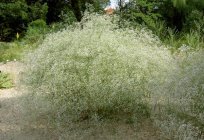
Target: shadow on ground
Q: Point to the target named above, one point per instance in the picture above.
(15, 126)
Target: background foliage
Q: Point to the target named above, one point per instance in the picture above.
(15, 16)
(179, 15)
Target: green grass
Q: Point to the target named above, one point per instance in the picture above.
(5, 81)
(10, 51)
(176, 40)
(13, 51)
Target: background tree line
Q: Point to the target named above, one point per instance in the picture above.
(17, 15)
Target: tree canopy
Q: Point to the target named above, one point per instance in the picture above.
(15, 15)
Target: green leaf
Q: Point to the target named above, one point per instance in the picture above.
(5, 81)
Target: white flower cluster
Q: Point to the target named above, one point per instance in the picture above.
(97, 70)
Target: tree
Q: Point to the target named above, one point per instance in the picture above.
(79, 6)
(15, 16)
(182, 9)
(177, 14)
(77, 9)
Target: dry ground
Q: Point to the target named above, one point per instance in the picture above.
(14, 127)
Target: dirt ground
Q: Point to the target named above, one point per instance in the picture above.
(12, 127)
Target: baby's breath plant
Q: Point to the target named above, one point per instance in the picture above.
(181, 108)
(96, 69)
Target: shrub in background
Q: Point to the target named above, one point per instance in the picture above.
(37, 10)
(36, 30)
(98, 71)
(67, 18)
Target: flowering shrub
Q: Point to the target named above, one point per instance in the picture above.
(181, 108)
(97, 70)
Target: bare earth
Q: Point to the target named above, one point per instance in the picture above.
(11, 123)
(9, 111)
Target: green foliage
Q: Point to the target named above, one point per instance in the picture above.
(174, 26)
(179, 3)
(195, 22)
(182, 24)
(141, 12)
(5, 81)
(67, 18)
(177, 16)
(36, 31)
(15, 16)
(57, 9)
(33, 37)
(96, 72)
(193, 39)
(11, 51)
(37, 11)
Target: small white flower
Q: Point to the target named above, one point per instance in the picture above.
(184, 48)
